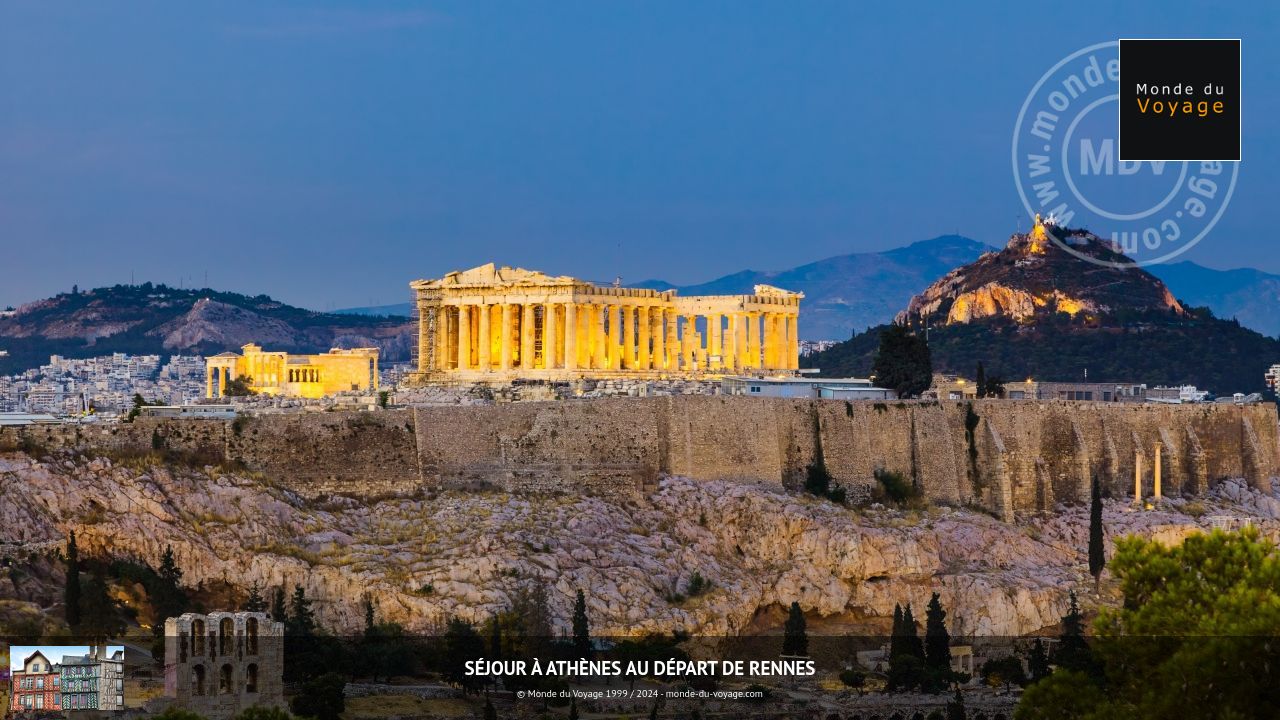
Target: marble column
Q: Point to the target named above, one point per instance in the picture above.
(614, 359)
(715, 344)
(628, 337)
(792, 341)
(485, 339)
(528, 323)
(424, 319)
(505, 339)
(730, 345)
(444, 338)
(658, 329)
(769, 340)
(549, 340)
(673, 340)
(642, 343)
(570, 336)
(599, 341)
(208, 381)
(753, 340)
(464, 337)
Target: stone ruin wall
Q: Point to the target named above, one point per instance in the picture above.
(1026, 455)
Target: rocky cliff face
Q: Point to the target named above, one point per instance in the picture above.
(465, 554)
(1035, 276)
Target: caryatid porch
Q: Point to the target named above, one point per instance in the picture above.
(501, 324)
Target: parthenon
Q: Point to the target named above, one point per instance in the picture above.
(497, 324)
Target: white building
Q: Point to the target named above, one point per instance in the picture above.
(825, 388)
(1273, 378)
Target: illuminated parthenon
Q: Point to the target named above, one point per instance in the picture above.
(501, 324)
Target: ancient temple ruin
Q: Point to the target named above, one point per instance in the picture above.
(499, 324)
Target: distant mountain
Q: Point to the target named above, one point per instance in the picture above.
(155, 319)
(1034, 310)
(396, 310)
(1248, 295)
(849, 292)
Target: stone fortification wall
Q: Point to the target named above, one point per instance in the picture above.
(1008, 456)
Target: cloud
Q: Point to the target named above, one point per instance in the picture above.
(330, 22)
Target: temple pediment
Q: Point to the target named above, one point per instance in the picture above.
(771, 291)
(490, 275)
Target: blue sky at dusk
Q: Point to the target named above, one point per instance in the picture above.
(327, 154)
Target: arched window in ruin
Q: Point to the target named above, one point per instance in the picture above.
(226, 636)
(251, 636)
(251, 679)
(226, 681)
(197, 637)
(197, 680)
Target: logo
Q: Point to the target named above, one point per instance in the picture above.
(1067, 167)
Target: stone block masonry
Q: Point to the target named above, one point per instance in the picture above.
(1010, 457)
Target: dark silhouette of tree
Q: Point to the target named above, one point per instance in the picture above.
(71, 595)
(795, 640)
(278, 608)
(937, 647)
(1097, 551)
(490, 713)
(462, 644)
(321, 698)
(1038, 662)
(903, 363)
(581, 628)
(255, 602)
(980, 381)
(301, 620)
(906, 657)
(98, 613)
(1073, 651)
(955, 708)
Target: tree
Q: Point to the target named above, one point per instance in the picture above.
(71, 595)
(462, 644)
(1194, 636)
(573, 709)
(906, 654)
(955, 708)
(321, 698)
(1004, 671)
(368, 615)
(937, 646)
(1097, 553)
(581, 628)
(980, 381)
(903, 362)
(1037, 662)
(301, 620)
(239, 386)
(98, 612)
(258, 712)
(795, 640)
(278, 611)
(1073, 651)
(255, 602)
(490, 713)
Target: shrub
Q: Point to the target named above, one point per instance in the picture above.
(853, 678)
(895, 486)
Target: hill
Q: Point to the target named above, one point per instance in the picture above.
(1248, 295)
(1035, 310)
(853, 291)
(156, 319)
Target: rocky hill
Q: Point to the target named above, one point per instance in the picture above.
(464, 554)
(155, 319)
(1033, 309)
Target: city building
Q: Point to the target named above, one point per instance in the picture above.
(1177, 395)
(1273, 378)
(220, 664)
(207, 412)
(94, 681)
(952, 387)
(36, 686)
(282, 373)
(492, 324)
(802, 387)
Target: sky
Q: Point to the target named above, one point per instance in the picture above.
(54, 653)
(329, 153)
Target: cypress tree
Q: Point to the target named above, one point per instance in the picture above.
(1097, 555)
(302, 621)
(937, 645)
(981, 381)
(1038, 662)
(581, 627)
(255, 602)
(278, 612)
(495, 638)
(71, 596)
(911, 634)
(895, 638)
(795, 641)
(955, 708)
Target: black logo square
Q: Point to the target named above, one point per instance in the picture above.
(1179, 99)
